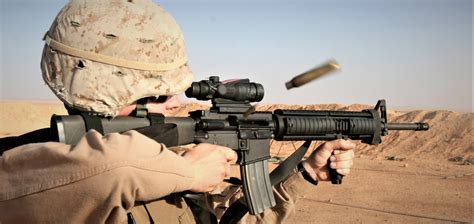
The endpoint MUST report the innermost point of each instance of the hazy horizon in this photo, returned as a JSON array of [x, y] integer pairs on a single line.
[[416, 54]]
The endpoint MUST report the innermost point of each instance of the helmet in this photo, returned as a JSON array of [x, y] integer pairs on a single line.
[[101, 56]]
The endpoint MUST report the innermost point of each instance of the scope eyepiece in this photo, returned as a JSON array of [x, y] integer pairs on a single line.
[[236, 90]]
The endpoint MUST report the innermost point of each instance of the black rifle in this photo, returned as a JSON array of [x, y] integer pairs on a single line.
[[230, 122]]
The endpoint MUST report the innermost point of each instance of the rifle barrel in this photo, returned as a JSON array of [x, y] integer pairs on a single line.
[[408, 126]]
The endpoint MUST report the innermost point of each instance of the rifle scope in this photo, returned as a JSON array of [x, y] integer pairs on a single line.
[[235, 90]]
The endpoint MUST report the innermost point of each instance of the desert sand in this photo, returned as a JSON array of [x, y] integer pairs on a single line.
[[409, 178]]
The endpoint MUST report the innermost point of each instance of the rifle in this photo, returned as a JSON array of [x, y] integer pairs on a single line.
[[230, 122]]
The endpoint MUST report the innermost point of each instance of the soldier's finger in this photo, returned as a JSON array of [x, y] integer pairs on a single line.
[[228, 170], [230, 155], [341, 144], [205, 148], [341, 164], [344, 171], [342, 155]]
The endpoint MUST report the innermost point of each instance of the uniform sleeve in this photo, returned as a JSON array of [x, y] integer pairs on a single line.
[[97, 180]]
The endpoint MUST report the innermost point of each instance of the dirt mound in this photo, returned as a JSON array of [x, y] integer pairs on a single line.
[[450, 135], [184, 109]]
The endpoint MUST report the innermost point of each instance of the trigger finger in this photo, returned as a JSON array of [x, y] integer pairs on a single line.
[[343, 156], [342, 164]]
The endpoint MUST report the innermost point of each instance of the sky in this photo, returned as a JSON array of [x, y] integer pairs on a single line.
[[416, 54]]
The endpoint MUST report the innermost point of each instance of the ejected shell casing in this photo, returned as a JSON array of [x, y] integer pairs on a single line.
[[312, 74]]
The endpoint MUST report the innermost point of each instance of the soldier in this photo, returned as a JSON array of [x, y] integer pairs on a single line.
[[105, 58]]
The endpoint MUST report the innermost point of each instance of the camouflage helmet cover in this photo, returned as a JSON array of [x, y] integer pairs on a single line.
[[101, 56]]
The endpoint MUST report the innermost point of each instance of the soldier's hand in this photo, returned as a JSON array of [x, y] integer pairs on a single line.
[[317, 163], [211, 164]]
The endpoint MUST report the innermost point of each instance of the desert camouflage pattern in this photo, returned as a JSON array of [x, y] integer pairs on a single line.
[[135, 31]]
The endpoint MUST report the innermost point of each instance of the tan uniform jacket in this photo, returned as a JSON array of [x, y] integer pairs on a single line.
[[100, 179]]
